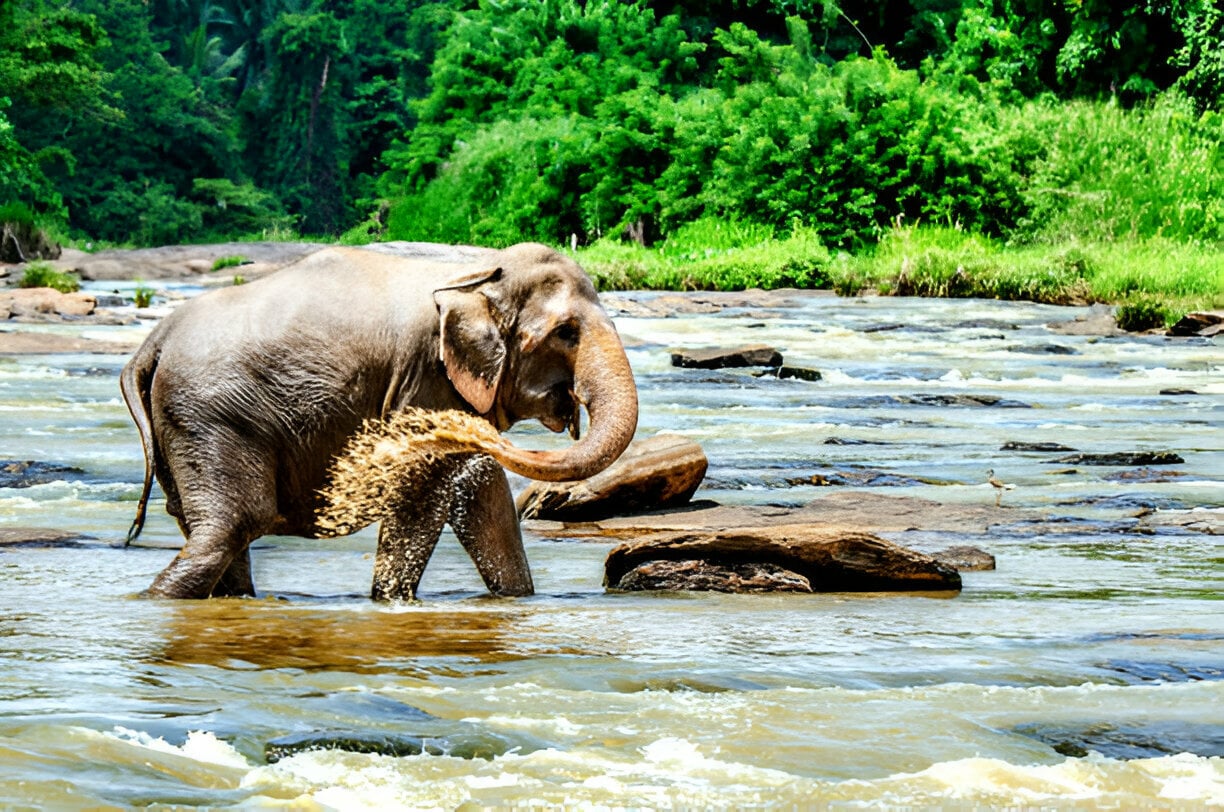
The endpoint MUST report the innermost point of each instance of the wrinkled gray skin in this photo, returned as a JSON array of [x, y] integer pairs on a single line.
[[244, 396]]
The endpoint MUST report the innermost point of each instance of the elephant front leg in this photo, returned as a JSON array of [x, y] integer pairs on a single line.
[[485, 521], [406, 540]]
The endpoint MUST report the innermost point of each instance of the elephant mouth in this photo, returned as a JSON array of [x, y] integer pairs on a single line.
[[565, 412]]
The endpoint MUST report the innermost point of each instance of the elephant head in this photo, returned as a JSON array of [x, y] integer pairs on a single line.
[[526, 338]]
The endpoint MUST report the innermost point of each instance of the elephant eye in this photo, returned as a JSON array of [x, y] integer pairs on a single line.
[[567, 332]]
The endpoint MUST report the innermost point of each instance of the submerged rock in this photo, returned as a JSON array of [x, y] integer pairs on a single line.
[[864, 477], [1128, 741], [752, 355], [27, 473], [1144, 475], [467, 745], [1129, 458], [782, 556], [784, 372], [964, 558], [1045, 447], [660, 472]]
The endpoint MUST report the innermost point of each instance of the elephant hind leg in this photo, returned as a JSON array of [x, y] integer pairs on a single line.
[[219, 522], [486, 523], [200, 567]]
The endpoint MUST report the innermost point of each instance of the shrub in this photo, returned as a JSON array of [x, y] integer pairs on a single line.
[[1141, 314], [1111, 173], [42, 275], [142, 296], [228, 262]]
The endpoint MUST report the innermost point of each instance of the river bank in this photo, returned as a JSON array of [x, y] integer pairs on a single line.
[[914, 264]]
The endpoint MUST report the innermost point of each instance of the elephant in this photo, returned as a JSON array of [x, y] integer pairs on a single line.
[[243, 396]]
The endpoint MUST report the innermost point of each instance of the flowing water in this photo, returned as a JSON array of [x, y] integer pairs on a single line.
[[1087, 671]]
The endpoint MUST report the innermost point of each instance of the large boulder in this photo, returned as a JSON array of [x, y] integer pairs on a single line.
[[659, 472], [1204, 323], [794, 557], [25, 303]]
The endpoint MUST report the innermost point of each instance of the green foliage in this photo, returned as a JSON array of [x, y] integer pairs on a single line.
[[42, 275], [1141, 314], [933, 261], [711, 255], [231, 261], [1109, 173], [736, 142], [229, 208], [142, 296], [17, 213]]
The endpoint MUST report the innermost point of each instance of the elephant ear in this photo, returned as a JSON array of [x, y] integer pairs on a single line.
[[471, 348]]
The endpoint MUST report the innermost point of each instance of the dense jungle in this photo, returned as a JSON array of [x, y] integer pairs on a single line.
[[1020, 149]]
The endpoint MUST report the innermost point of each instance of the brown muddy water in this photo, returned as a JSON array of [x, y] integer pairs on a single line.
[[1086, 672]]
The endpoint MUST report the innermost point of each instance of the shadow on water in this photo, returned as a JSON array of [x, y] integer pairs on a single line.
[[275, 633]]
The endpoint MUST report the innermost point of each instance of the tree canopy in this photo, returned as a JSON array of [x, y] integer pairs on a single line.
[[492, 121]]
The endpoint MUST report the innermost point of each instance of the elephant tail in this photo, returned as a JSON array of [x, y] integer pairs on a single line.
[[136, 383]]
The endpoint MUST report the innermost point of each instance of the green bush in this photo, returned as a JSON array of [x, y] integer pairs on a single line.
[[142, 296], [42, 275], [1111, 173], [1141, 314], [708, 255], [231, 261]]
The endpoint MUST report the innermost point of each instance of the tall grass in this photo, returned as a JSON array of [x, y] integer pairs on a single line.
[[1173, 276], [1109, 173], [710, 254]]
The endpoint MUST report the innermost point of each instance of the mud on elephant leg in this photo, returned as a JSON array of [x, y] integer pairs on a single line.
[[406, 540], [486, 523], [470, 492]]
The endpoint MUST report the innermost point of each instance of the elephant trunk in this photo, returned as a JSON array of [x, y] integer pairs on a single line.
[[603, 382]]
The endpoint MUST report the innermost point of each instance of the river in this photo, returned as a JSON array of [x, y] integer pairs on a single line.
[[1086, 671]]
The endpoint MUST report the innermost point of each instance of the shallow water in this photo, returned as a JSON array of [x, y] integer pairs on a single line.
[[1101, 640]]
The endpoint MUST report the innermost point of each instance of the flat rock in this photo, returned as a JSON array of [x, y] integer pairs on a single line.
[[1098, 321], [659, 472], [29, 343], [829, 560], [1196, 520], [752, 355], [878, 513], [30, 301], [186, 261], [40, 537]]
